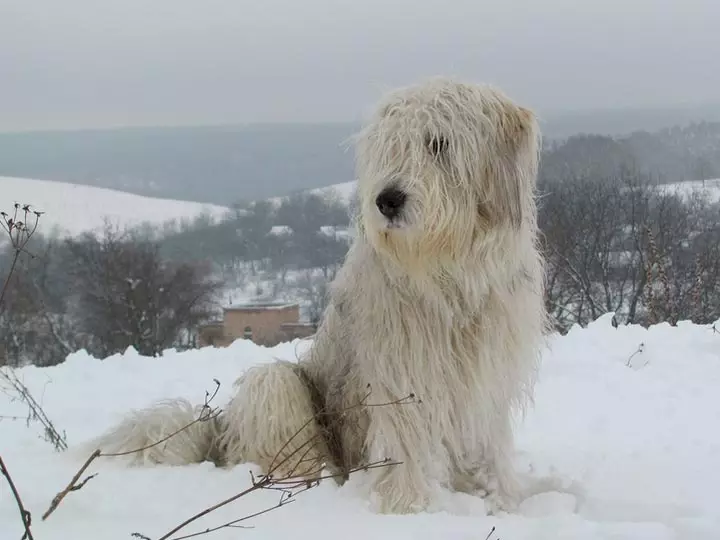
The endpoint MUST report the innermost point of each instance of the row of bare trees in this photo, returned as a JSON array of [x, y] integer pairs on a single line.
[[622, 243], [102, 293], [107, 291]]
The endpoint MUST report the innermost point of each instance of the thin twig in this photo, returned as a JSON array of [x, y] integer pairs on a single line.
[[410, 398], [264, 483], [36, 411], [25, 515], [19, 235], [640, 350], [75, 484], [72, 485], [211, 415], [284, 500], [292, 484], [212, 508]]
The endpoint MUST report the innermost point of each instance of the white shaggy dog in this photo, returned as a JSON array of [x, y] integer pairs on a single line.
[[440, 296]]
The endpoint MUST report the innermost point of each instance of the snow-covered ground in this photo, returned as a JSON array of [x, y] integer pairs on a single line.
[[632, 416], [75, 208], [708, 188], [345, 190]]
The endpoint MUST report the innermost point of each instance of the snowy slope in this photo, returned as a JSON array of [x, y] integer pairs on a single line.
[[345, 190], [641, 441], [707, 188], [75, 208]]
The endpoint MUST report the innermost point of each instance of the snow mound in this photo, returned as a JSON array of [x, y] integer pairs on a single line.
[[628, 415]]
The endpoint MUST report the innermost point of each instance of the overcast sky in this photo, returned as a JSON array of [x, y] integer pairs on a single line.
[[94, 63]]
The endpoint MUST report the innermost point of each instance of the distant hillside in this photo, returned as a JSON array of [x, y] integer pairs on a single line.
[[668, 155], [73, 209], [623, 121], [228, 164], [218, 165]]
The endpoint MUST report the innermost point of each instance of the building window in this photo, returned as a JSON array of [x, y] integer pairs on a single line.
[[247, 334]]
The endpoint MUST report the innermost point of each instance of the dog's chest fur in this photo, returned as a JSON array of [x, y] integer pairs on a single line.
[[397, 340]]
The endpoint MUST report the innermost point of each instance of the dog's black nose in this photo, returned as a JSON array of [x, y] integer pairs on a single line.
[[390, 202]]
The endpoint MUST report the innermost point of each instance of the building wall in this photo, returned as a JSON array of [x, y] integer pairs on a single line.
[[213, 335], [264, 323], [293, 331]]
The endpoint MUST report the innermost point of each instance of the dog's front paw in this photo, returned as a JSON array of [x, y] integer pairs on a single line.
[[396, 493], [496, 503], [397, 503]]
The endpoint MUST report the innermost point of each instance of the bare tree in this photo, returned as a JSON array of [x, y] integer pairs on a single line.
[[620, 244], [129, 296]]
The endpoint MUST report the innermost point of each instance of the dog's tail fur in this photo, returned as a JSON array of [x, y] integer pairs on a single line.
[[270, 421], [194, 441]]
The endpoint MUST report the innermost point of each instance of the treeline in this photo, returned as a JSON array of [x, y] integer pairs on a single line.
[[102, 293], [668, 155], [303, 231], [150, 289], [623, 243]]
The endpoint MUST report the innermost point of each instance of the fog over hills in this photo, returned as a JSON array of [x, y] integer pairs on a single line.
[[228, 164], [218, 165]]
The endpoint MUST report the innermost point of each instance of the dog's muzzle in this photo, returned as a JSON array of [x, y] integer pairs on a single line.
[[390, 202]]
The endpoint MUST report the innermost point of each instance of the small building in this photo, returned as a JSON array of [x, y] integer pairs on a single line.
[[266, 324]]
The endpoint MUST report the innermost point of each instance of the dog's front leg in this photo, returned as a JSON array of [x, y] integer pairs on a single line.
[[401, 454], [495, 476]]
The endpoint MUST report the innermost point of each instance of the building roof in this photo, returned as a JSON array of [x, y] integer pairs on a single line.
[[260, 306], [211, 324]]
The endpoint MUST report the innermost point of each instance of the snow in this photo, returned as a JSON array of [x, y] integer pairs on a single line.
[[75, 208], [708, 188], [629, 415], [260, 305], [344, 191]]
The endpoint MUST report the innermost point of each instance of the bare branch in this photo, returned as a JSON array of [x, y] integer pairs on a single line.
[[293, 483], [24, 514], [207, 413], [73, 485], [35, 412], [264, 483]]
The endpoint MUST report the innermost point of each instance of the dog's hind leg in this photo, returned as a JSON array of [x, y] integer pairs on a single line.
[[271, 422]]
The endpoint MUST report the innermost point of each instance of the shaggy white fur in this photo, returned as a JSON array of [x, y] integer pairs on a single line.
[[193, 441], [440, 296]]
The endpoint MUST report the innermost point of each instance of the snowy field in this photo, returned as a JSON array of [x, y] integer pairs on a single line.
[[629, 415], [75, 209], [344, 191], [708, 188]]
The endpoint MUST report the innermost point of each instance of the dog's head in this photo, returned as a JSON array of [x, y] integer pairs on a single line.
[[443, 166]]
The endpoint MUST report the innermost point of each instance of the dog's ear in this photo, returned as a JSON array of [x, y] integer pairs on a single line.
[[520, 129], [520, 134]]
